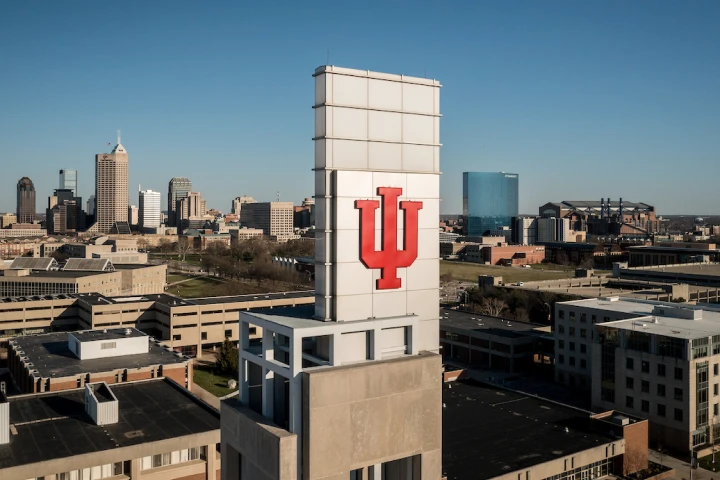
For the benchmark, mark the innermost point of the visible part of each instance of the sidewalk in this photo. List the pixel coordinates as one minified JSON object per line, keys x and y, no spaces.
{"x":682,"y":468}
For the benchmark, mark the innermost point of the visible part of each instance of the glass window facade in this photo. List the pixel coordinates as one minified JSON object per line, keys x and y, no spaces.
{"x":490,"y":200}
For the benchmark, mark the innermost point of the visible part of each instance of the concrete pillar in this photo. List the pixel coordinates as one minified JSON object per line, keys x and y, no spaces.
{"x":135,"y":468}
{"x":211,"y":464}
{"x":375,"y":350}
{"x":198,"y":354}
{"x":268,"y":397}
{"x":243,"y":383}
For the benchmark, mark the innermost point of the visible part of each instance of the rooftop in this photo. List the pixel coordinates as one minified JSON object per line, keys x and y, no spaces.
{"x":55,"y":425}
{"x":706,"y":269}
{"x":251,"y":297}
{"x":107,"y":334}
{"x":488,"y":432}
{"x":489,"y":325}
{"x":50,"y":355}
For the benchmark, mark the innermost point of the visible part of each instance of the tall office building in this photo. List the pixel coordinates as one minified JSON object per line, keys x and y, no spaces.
{"x":68,"y":180}
{"x":238,"y":202}
{"x":25,"y":201}
{"x":274,"y":218}
{"x":90,"y":209}
{"x":64,"y":213}
{"x":149,"y":209}
{"x":178,"y":188}
{"x":351,"y":389}
{"x":490,"y":201}
{"x":111,"y":191}
{"x":190,"y":211}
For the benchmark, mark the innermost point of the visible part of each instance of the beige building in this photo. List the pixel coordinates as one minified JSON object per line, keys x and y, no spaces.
{"x":7,"y":219}
{"x":149,"y":430}
{"x":111,"y":190}
{"x":242,"y":234}
{"x":653,"y":359}
{"x":238,"y":202}
{"x":185,"y":325}
{"x":275,"y":219}
{"x":104,"y":278}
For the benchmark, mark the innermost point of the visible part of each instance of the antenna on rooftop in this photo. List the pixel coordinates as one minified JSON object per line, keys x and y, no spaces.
{"x":278,"y":196}
{"x":118,"y":132}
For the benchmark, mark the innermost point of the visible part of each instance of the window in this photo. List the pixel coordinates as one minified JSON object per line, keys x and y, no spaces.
{"x":678,"y":414}
{"x":715,"y":409}
{"x":118,"y":468}
{"x":561,"y":343}
{"x":607,"y":394}
{"x":606,"y":319}
{"x":561,"y":328}
{"x":228,"y":333}
{"x":572,"y":361}
{"x":661,"y":390}
{"x":661,"y":370}
{"x":572,"y":346}
{"x":661,"y":410}
{"x":572,"y":316}
{"x":561,"y":358}
{"x":583,"y":333}
{"x":583,"y":317}
{"x":561,"y":314}
{"x":645,"y":366}
{"x":583,"y":348}
{"x":678,"y":393}
{"x":194,"y":453}
{"x":629,"y":363}
{"x":157,"y":461}
{"x":593,"y":318}
{"x":645,"y":406}
{"x":583,"y":363}
{"x":645,"y":386}
{"x":203,"y":335}
{"x":108,"y":345}
{"x":629,"y":402}
{"x":177,"y":337}
{"x":572,"y":331}
{"x":678,"y":373}
{"x":715,"y":389}
{"x":629,"y":382}
{"x":715,"y":369}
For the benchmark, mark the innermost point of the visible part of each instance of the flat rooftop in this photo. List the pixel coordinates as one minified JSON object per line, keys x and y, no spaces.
{"x":490,"y":325}
{"x":253,"y":297}
{"x":488,"y":432}
{"x":50,"y":355}
{"x":107,"y":334}
{"x":644,"y":318}
{"x":97,"y":299}
{"x":708,"y":269}
{"x":55,"y":425}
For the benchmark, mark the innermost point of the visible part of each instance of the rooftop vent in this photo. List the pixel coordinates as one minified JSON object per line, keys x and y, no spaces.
{"x":101,"y":404}
{"x":620,"y":420}
{"x":4,"y":419}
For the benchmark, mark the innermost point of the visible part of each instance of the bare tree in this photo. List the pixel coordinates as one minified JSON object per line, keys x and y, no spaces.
{"x":492,"y":307}
{"x":164,"y":245}
{"x":635,"y":460}
{"x":184,"y":246}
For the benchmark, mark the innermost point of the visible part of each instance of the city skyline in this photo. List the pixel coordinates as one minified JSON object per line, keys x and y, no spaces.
{"x":541,"y":90}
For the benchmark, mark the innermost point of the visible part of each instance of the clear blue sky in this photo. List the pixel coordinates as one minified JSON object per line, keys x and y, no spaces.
{"x":582,"y":98}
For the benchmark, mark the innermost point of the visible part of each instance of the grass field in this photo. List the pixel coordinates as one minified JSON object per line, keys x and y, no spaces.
{"x":208,"y":379}
{"x":197,"y":287}
{"x":201,"y":286}
{"x":469,"y":272}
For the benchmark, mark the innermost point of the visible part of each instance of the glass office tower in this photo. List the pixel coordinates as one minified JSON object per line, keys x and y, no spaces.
{"x":68,"y":181}
{"x":490,"y":200}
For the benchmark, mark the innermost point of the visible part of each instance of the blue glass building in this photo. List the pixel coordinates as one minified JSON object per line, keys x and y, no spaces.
{"x":490,"y":200}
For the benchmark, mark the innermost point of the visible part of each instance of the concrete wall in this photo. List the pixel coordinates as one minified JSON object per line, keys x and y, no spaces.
{"x":363,"y":415}
{"x":254,"y":448}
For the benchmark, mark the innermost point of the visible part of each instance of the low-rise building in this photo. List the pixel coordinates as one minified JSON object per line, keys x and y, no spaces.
{"x":493,"y":433}
{"x":654,"y":359}
{"x":242,"y":234}
{"x":135,"y":430}
{"x":495,"y":343}
{"x":62,"y":361}
{"x":673,"y":253}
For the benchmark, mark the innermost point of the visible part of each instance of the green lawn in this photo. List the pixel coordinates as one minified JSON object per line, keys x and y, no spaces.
{"x":207,"y":378}
{"x":469,"y":272}
{"x":197,"y":287}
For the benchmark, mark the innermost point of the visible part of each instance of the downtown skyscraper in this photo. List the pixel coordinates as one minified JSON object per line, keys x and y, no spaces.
{"x":178,"y":188}
{"x":111,"y":191}
{"x":68,"y":180}
{"x":25,"y":201}
{"x":149,"y":215}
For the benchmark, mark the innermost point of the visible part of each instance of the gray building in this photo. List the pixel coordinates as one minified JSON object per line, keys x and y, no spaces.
{"x":25,"y":201}
{"x":178,"y":188}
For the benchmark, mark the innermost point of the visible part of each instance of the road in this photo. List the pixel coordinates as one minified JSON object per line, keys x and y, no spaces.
{"x":682,"y":468}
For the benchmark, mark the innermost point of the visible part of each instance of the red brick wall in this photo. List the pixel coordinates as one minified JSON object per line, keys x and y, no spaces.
{"x":636,"y":447}
{"x":66,"y":385}
{"x":141,"y":375}
{"x":496,"y":255}
{"x":177,"y":374}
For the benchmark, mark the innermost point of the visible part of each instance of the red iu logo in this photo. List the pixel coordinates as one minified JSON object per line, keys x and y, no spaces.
{"x":389,"y":258}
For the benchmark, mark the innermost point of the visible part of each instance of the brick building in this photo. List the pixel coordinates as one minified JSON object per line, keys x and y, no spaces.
{"x":49,"y":362}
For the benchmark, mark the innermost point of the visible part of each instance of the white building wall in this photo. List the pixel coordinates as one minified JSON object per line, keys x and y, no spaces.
{"x":149,"y":209}
{"x":114,"y":347}
{"x":375,"y":130}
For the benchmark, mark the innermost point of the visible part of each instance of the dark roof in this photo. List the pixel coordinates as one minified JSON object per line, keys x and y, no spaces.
{"x":485,"y":324}
{"x":55,"y":425}
{"x":488,"y":432}
{"x":97,"y":299}
{"x":50,"y":355}
{"x":568,"y":245}
{"x":251,"y":297}
{"x":107,"y":334}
